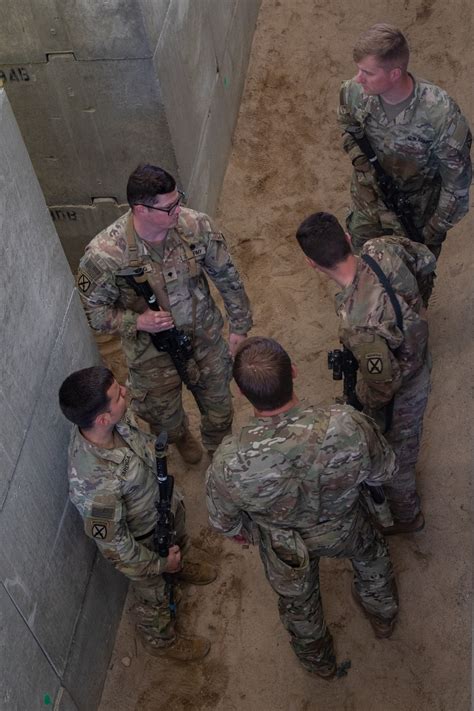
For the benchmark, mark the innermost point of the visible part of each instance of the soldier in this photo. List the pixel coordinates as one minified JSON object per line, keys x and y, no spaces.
{"x":112,"y":483}
{"x":382,"y":323}
{"x":177,"y":248}
{"x":294,"y":474}
{"x":419,"y":136}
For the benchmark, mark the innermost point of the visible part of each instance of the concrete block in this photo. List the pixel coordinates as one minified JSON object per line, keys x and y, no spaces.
{"x":116,"y":29}
{"x":64,"y":701}
{"x":95,"y":634}
{"x":211,"y":160}
{"x":27,"y":333}
{"x":88,"y":124}
{"x":186,"y":71}
{"x":154,"y":13}
{"x":76,"y":225}
{"x":220,"y":14}
{"x":47,"y":580}
{"x":235,"y":58}
{"x":27,"y":678}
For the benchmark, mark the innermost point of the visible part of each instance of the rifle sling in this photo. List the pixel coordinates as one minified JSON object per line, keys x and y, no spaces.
{"x":382,"y":277}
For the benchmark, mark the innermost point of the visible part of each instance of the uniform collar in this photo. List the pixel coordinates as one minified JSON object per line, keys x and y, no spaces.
{"x":346,"y":293}
{"x":374,"y":108}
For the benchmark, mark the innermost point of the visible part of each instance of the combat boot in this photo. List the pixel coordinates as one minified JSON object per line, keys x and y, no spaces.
{"x":196,"y":573}
{"x":189,"y":448}
{"x":326,"y":673}
{"x":183,"y":649}
{"x":382,"y":628}
{"x":417,"y":524}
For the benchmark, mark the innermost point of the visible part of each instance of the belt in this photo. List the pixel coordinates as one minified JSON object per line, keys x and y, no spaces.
{"x":145,"y":535}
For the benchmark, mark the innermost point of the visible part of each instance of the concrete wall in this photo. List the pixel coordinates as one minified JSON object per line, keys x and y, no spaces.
{"x":59,"y":601}
{"x":98,"y":87}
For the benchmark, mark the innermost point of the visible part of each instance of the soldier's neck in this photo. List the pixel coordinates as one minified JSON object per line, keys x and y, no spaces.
{"x":279,"y":411}
{"x":400,"y":91}
{"x":102,"y":438}
{"x":344,"y":273}
{"x":149,"y":233}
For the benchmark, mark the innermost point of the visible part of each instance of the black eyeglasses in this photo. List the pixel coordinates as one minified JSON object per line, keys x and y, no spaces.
{"x":170,"y":208}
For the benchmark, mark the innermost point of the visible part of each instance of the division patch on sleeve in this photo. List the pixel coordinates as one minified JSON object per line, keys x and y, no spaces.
{"x":100,"y":522}
{"x":374,"y":361}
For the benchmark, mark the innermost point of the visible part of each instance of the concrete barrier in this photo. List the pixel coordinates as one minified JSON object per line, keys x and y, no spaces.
{"x":59,"y":601}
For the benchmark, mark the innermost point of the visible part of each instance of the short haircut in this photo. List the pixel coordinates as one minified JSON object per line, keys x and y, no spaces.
{"x":83,"y":395}
{"x":323,"y":240}
{"x":386,"y":43}
{"x":146,"y":182}
{"x":262,"y":370}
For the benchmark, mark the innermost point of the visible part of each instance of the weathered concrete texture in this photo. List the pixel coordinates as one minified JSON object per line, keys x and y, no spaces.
{"x":47,"y":573}
{"x":86,"y":125}
{"x":99,"y":87}
{"x":76,"y":223}
{"x":202,"y":83}
{"x":115,"y":29}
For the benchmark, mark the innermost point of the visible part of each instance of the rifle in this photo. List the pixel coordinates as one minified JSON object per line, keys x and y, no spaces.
{"x":173,"y":341}
{"x":394,"y":200}
{"x":164,"y":533}
{"x":344,"y":367}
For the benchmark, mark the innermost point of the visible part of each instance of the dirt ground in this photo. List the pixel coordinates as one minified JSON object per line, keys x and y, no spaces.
{"x":285,"y":164}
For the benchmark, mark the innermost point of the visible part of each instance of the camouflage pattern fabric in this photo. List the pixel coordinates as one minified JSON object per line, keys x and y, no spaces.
{"x":392,"y":364}
{"x":297,"y":477}
{"x":115,"y":491}
{"x":425,"y":148}
{"x":193,"y":251}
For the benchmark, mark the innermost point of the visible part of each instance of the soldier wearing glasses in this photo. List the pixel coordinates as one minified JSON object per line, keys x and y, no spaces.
{"x":178,"y":248}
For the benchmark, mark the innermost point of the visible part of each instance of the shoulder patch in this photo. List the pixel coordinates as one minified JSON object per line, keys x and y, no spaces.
{"x":101,"y":519}
{"x":374,"y":361}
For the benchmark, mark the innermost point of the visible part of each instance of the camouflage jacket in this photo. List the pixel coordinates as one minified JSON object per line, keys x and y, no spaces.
{"x":387,"y":356}
{"x":115,"y":491}
{"x":178,"y":278}
{"x":426,"y":146}
{"x":297,"y":471}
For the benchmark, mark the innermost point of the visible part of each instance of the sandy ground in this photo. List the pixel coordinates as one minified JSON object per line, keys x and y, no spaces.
{"x":287,"y":163}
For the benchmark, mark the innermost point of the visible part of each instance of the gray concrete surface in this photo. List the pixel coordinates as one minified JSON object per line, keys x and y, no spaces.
{"x":98,"y":87}
{"x":59,"y":606}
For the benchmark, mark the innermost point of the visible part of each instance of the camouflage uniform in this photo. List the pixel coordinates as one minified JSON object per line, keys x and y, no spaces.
{"x":425,"y":148}
{"x":115,"y":491}
{"x":297,"y":477}
{"x":392,"y":364}
{"x":177,"y":275}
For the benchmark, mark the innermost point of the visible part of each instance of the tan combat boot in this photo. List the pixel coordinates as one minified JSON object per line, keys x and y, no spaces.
{"x":196,"y":573}
{"x":382,"y":628}
{"x":183,"y":649}
{"x":189,"y":448}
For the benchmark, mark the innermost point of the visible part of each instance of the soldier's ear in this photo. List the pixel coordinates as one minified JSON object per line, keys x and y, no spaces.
{"x":102,"y":420}
{"x":294,"y":371}
{"x":395,"y":74}
{"x":311,"y":262}
{"x":348,"y":238}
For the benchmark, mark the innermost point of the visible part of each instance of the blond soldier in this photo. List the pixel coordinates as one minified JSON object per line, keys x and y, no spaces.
{"x":419,"y":136}
{"x":178,"y":249}
{"x":295,"y":473}
{"x":112,"y":483}
{"x":382,"y":322}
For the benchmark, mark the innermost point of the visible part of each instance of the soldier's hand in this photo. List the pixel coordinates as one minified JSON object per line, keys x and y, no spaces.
{"x":154,"y":321}
{"x":235,"y":339}
{"x":173,"y":561}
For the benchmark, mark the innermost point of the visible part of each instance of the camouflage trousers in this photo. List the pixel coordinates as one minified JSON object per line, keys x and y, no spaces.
{"x":156,"y":390}
{"x":152,"y":612}
{"x":370,"y":218}
{"x":405,"y":437}
{"x":295,"y":579}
